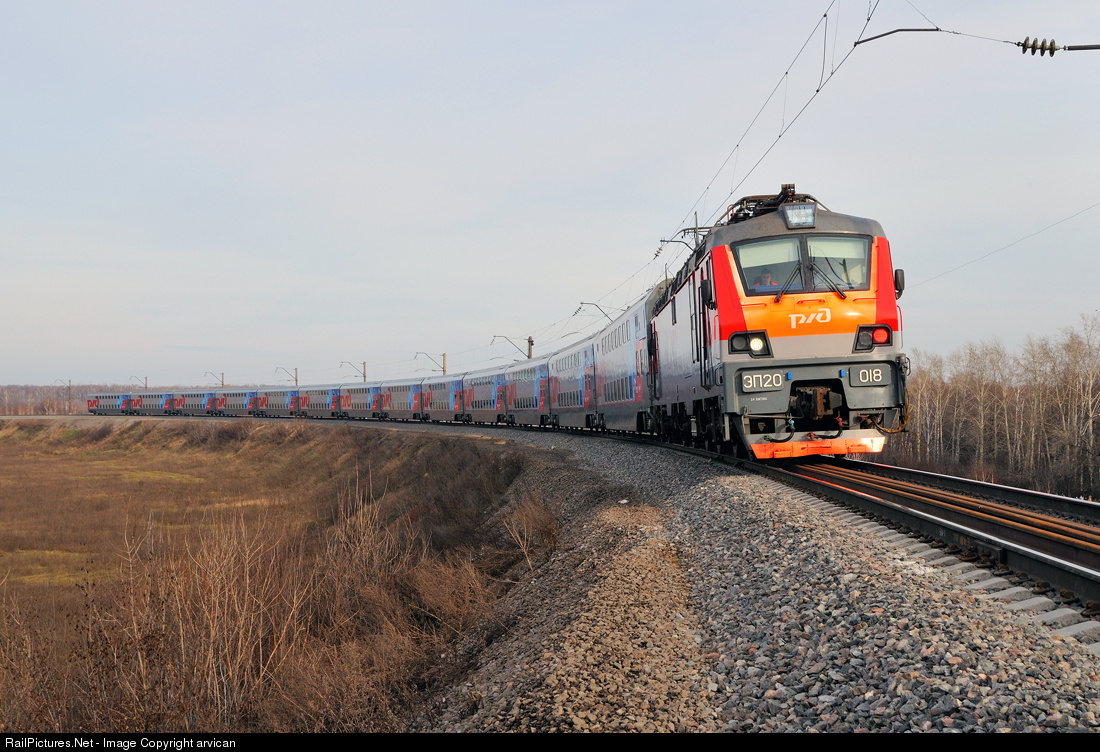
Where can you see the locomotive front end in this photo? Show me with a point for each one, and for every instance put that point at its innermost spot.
(810, 330)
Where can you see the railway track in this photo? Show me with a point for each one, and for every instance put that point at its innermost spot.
(996, 526)
(1074, 509)
(1052, 540)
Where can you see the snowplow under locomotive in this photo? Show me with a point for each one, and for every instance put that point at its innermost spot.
(779, 337)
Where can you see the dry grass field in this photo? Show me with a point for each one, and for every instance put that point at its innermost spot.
(199, 575)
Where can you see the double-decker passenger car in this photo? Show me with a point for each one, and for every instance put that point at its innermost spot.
(443, 399)
(235, 402)
(483, 396)
(319, 401)
(572, 375)
(358, 400)
(152, 403)
(527, 392)
(622, 365)
(193, 402)
(109, 404)
(401, 399)
(277, 401)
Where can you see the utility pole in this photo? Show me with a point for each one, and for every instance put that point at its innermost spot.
(69, 394)
(208, 373)
(280, 368)
(530, 343)
(362, 371)
(442, 365)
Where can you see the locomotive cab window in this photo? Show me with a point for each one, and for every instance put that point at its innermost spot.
(770, 265)
(843, 262)
(805, 263)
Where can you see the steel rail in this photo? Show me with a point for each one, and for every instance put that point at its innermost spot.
(1064, 563)
(1050, 502)
(984, 518)
(1076, 530)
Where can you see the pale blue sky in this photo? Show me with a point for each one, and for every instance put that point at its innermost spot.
(241, 186)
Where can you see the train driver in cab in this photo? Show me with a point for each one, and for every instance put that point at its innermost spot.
(764, 281)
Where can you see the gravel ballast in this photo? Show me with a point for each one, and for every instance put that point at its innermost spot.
(712, 600)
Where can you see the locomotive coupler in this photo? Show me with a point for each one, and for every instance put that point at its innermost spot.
(815, 402)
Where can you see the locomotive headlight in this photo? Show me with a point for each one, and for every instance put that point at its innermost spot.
(799, 215)
(754, 344)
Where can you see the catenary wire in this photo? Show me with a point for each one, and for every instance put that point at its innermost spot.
(1006, 247)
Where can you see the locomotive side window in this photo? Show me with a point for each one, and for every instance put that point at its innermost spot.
(770, 265)
(844, 262)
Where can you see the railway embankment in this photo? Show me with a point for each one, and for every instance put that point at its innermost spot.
(644, 591)
(734, 603)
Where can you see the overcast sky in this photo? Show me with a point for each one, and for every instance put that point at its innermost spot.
(239, 187)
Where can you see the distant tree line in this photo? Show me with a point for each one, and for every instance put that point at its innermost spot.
(30, 399)
(50, 400)
(1028, 418)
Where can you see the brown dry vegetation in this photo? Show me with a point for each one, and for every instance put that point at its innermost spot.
(191, 575)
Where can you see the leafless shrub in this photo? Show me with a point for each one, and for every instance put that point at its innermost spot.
(234, 432)
(381, 602)
(34, 685)
(208, 434)
(532, 526)
(99, 433)
(199, 432)
(197, 631)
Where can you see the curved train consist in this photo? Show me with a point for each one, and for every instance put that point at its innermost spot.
(779, 337)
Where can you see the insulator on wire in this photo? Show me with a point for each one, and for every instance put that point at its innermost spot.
(1036, 46)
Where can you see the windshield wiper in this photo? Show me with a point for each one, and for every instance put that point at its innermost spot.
(787, 284)
(835, 287)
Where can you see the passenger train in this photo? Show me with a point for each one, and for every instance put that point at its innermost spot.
(780, 337)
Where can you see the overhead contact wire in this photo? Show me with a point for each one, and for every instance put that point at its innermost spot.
(799, 114)
(1006, 247)
(956, 33)
(758, 113)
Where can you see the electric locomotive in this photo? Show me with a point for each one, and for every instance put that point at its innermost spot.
(781, 335)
